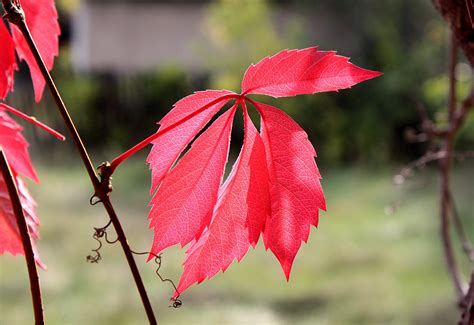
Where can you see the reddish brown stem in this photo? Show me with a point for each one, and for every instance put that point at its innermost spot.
(445, 166)
(467, 318)
(16, 16)
(25, 238)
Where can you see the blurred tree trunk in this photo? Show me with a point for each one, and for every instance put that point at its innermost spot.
(459, 17)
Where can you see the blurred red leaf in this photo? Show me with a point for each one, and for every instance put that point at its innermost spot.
(15, 147)
(7, 61)
(42, 19)
(10, 238)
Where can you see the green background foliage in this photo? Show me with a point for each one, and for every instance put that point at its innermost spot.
(376, 257)
(404, 39)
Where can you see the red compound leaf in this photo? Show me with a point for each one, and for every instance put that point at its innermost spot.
(274, 187)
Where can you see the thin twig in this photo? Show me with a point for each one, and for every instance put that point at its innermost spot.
(467, 316)
(409, 169)
(419, 163)
(428, 127)
(470, 11)
(460, 116)
(463, 155)
(25, 238)
(16, 16)
(458, 226)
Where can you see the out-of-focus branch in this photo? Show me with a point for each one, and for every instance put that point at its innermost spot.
(461, 114)
(25, 238)
(467, 305)
(442, 150)
(466, 243)
(445, 173)
(459, 14)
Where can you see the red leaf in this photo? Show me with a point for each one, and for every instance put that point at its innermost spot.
(10, 239)
(239, 214)
(307, 71)
(182, 207)
(274, 186)
(295, 188)
(167, 148)
(15, 147)
(7, 61)
(42, 20)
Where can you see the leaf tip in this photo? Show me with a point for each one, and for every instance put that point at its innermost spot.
(287, 270)
(150, 257)
(286, 263)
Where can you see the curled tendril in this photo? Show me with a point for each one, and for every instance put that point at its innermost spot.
(94, 200)
(96, 257)
(99, 233)
(176, 302)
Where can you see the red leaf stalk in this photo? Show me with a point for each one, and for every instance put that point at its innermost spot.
(33, 120)
(127, 154)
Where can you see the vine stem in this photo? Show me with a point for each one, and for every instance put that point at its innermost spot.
(25, 238)
(16, 16)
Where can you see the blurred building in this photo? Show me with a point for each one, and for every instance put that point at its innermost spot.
(124, 36)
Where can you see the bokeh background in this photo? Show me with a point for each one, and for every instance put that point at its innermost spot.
(376, 257)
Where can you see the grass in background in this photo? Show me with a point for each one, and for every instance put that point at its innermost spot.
(361, 266)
